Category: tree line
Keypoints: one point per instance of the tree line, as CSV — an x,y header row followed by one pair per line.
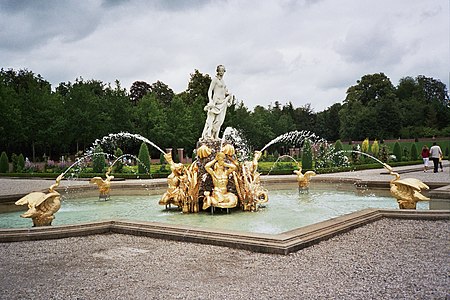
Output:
x,y
36,119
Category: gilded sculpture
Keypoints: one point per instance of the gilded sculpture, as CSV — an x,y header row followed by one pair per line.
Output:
x,y
104,185
407,191
42,206
250,191
176,191
220,170
303,179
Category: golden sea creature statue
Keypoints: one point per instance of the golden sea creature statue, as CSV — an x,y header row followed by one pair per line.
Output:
x,y
192,187
175,193
220,171
42,206
249,188
104,186
406,191
303,179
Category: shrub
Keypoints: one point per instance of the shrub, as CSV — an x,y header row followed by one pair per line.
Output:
x,y
397,151
98,160
4,166
20,163
144,159
355,156
307,155
414,153
384,153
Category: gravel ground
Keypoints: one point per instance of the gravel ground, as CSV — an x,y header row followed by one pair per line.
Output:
x,y
388,259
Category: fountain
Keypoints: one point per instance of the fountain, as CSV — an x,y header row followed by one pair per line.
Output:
x,y
224,176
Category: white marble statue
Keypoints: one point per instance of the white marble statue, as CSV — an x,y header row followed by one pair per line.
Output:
x,y
219,100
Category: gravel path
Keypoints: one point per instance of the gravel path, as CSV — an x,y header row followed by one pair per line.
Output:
x,y
388,259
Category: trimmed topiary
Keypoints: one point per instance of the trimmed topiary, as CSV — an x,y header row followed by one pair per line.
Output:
x,y
20,163
4,164
365,146
98,160
144,159
338,145
14,160
375,148
413,152
118,166
307,155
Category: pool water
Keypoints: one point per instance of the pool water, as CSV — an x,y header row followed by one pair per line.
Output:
x,y
287,209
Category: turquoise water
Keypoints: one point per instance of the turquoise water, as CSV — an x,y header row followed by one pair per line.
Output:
x,y
287,209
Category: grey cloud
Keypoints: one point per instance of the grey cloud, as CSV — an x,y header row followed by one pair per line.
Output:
x,y
33,23
371,47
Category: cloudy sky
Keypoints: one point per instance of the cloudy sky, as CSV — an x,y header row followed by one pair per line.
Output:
x,y
305,51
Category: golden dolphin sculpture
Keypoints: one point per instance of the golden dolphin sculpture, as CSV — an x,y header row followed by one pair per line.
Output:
x,y
303,179
407,191
42,206
104,186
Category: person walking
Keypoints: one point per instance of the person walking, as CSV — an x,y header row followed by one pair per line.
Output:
x,y
435,154
425,157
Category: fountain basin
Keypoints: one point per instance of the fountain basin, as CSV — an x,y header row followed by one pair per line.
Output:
x,y
287,209
273,239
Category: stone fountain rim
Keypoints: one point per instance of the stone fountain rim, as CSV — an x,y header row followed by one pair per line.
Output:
x,y
282,243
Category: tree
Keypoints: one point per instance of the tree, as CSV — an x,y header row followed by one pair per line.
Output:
x,y
30,113
424,103
198,87
151,121
144,159
371,109
163,93
138,90
328,122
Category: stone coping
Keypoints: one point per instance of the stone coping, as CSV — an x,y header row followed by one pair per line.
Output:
x,y
283,243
